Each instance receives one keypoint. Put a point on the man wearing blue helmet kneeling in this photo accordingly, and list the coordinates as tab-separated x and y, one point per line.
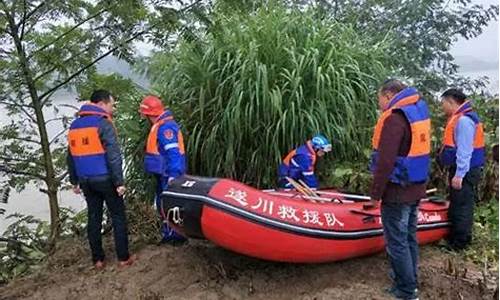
299	163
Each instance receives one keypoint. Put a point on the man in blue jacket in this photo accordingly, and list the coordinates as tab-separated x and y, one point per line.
165	157
95	167
299	163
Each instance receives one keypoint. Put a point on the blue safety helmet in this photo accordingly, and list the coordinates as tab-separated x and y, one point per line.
320	142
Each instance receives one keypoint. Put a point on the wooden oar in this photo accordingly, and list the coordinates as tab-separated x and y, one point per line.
348	196
306	194
430	191
360	197
308	189
298	187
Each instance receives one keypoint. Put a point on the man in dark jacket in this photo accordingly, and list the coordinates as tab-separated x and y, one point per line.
400	166
463	155
95	166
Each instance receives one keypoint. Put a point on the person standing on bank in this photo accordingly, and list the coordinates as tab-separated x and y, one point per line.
463	154
164	157
400	166
95	167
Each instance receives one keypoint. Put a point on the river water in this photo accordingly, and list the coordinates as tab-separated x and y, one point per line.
31	201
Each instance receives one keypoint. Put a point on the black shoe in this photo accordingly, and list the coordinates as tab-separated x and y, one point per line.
172	242
178	243
397	294
165	242
454	248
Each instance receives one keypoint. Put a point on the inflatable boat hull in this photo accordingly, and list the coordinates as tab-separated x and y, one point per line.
280	226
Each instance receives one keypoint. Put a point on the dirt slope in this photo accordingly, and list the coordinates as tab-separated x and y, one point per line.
201	270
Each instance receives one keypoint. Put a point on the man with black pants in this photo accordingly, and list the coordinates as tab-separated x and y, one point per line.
95	167
400	166
463	154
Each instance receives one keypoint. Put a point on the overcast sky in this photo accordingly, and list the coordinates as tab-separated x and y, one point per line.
477	57
485	46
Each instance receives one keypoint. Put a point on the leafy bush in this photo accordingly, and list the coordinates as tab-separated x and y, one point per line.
484	249
352	176
24	244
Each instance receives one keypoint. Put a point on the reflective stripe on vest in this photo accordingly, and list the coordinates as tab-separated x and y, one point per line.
288	158
85	147
307	150
414	167
153	161
448	154
180	141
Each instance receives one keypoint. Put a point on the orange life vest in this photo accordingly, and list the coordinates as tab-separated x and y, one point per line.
414	167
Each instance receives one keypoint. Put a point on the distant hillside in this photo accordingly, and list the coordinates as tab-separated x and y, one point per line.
473	64
113	64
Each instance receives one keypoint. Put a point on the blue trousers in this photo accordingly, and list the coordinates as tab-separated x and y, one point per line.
400	233
168	234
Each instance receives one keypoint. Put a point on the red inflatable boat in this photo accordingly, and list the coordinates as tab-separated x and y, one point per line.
283	225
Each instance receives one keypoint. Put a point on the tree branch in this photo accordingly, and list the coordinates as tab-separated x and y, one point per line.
69	59
8	158
6	52
48	97
76	108
54	119
31	13
32	25
28	140
9	240
57	136
62	176
89	65
21	107
6	170
68	32
5	8
23	20
7	16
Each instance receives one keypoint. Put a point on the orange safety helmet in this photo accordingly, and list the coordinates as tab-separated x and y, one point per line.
151	106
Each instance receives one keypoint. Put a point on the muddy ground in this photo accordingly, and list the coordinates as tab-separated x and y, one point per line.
201	270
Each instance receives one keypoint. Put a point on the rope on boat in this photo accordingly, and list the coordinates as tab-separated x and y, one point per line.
176	215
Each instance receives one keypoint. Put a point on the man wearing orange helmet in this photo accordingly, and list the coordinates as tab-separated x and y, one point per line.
164	156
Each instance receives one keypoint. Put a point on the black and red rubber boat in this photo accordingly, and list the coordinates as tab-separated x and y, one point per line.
282	225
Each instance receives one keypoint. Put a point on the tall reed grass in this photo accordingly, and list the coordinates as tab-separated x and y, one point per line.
255	86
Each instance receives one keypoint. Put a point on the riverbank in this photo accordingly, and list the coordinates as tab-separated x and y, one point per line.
201	270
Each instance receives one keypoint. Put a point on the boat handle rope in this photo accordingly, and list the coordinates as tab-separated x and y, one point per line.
359	212
368	217
176	215
433	209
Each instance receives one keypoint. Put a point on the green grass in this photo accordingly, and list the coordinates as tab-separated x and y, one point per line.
256	86
484	248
